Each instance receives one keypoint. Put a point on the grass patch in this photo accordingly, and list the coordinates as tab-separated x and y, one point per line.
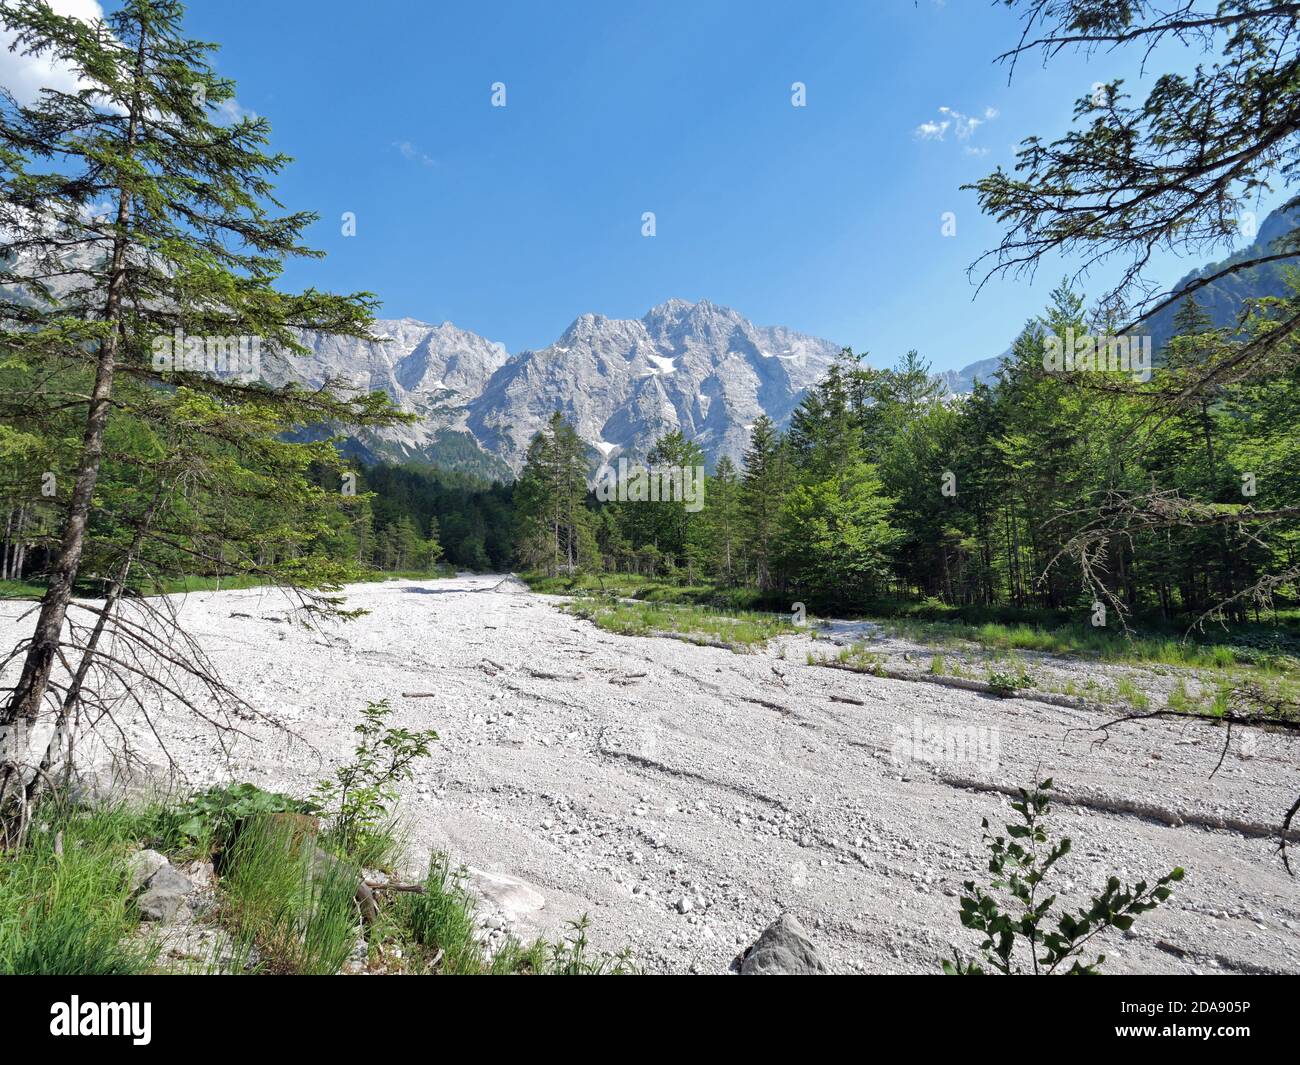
21	590
857	658
65	899
442	923
737	629
285	897
1126	691
1083	641
649	589
291	900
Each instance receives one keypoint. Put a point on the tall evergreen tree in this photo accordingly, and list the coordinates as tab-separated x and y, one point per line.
762	496
554	525
191	245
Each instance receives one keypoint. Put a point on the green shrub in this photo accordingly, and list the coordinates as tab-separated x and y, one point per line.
207	821
362	795
1006	685
1014	915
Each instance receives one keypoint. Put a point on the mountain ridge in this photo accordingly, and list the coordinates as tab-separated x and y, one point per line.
698	367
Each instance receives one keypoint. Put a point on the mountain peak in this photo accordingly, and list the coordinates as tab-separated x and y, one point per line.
693	366
672	306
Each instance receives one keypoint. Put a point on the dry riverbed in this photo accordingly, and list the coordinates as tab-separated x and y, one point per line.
683	796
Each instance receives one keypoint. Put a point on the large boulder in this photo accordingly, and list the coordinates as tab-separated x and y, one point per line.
164	894
142	865
783	949
514	898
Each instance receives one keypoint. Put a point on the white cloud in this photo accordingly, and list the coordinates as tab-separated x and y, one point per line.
975	151
26	75
411	152
962	126
233	111
931	131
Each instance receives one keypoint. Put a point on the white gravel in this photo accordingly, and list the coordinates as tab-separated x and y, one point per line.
684	796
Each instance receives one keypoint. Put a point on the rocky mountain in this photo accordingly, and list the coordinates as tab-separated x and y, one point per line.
623	383
433	371
1222	300
697	367
959	382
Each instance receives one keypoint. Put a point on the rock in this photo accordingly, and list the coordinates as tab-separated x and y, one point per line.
511	585
142	865
199	873
514	898
783	949
685	905
164	893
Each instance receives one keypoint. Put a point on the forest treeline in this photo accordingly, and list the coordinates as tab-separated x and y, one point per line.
882	487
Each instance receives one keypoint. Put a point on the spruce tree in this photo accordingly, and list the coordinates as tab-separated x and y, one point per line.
142	249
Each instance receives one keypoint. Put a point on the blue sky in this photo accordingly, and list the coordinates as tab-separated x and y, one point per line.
512	221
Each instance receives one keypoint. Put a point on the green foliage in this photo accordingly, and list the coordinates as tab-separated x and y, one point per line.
441	922
470	520
861	659
739	630
208	820
65	898
291	901
361	796
1007	684
553	523
1014	915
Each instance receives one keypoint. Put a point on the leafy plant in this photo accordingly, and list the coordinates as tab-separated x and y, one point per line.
569	956
442	923
1006	685
362	793
65	899
209	819
1015	913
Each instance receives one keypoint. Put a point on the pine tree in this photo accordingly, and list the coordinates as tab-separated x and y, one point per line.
554	524
762	495
190	245
722	515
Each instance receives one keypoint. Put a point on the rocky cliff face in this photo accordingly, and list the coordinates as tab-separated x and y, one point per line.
699	368
433	371
696	367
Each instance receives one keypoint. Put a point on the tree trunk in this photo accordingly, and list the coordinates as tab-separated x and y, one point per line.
25	702
72	697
